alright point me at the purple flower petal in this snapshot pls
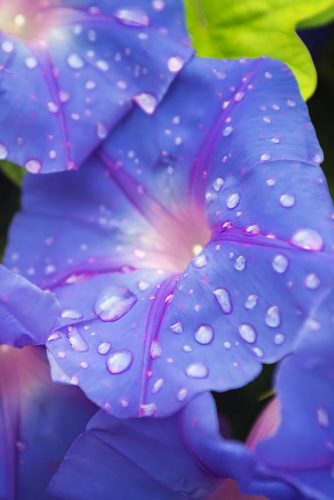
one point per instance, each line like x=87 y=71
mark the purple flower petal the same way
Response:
x=191 y=276
x=33 y=437
x=65 y=88
x=27 y=314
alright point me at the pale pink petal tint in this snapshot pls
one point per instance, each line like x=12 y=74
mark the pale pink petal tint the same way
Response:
x=29 y=20
x=266 y=425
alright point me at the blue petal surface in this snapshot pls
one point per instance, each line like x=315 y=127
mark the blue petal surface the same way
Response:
x=38 y=422
x=192 y=257
x=65 y=88
x=27 y=314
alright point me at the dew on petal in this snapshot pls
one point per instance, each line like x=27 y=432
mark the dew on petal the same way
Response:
x=287 y=200
x=197 y=370
x=177 y=327
x=155 y=350
x=70 y=314
x=233 y=200
x=200 y=261
x=131 y=16
x=279 y=338
x=247 y=332
x=175 y=64
x=240 y=263
x=3 y=151
x=76 y=340
x=74 y=61
x=147 y=102
x=224 y=299
x=33 y=166
x=113 y=303
x=251 y=301
x=104 y=348
x=148 y=410
x=227 y=131
x=280 y=263
x=157 y=385
x=322 y=417
x=265 y=157
x=272 y=317
x=182 y=394
x=119 y=361
x=312 y=281
x=204 y=334
x=307 y=239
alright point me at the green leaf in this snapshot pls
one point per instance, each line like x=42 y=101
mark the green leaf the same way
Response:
x=253 y=28
x=12 y=171
x=323 y=17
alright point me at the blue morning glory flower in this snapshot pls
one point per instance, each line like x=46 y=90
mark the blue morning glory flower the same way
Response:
x=289 y=454
x=190 y=248
x=70 y=70
x=38 y=422
x=27 y=314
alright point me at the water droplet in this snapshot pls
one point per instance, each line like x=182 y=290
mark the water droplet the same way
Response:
x=76 y=340
x=291 y=103
x=119 y=361
x=157 y=385
x=101 y=130
x=272 y=317
x=177 y=327
x=322 y=416
x=280 y=263
x=308 y=239
x=279 y=338
x=148 y=410
x=251 y=301
x=53 y=107
x=218 y=184
x=233 y=200
x=227 y=131
x=287 y=200
x=175 y=64
x=143 y=285
x=224 y=299
x=71 y=314
x=182 y=394
x=147 y=102
x=247 y=332
x=31 y=62
x=200 y=261
x=54 y=336
x=7 y=46
x=265 y=157
x=33 y=166
x=204 y=334
x=227 y=345
x=197 y=370
x=156 y=350
x=131 y=16
x=258 y=352
x=239 y=96
x=74 y=61
x=312 y=281
x=114 y=302
x=3 y=151
x=275 y=140
x=104 y=348
x=240 y=263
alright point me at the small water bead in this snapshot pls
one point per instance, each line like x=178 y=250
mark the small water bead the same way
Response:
x=279 y=338
x=175 y=64
x=204 y=334
x=104 y=348
x=53 y=107
x=76 y=340
x=322 y=417
x=227 y=131
x=182 y=394
x=251 y=301
x=155 y=350
x=147 y=102
x=177 y=327
x=239 y=96
x=114 y=302
x=218 y=184
x=102 y=65
x=33 y=166
x=240 y=263
x=7 y=46
x=307 y=239
x=157 y=385
x=3 y=151
x=275 y=140
x=101 y=130
x=187 y=348
x=258 y=352
x=291 y=103
x=31 y=62
x=224 y=299
x=143 y=285
x=247 y=332
x=148 y=410
x=233 y=200
x=119 y=361
x=54 y=336
x=74 y=61
x=265 y=157
x=197 y=370
x=312 y=281
x=317 y=158
x=70 y=314
x=287 y=200
x=227 y=345
x=200 y=261
x=280 y=263
x=272 y=317
x=131 y=16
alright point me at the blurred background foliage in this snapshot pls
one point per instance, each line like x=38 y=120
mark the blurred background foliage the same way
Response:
x=243 y=405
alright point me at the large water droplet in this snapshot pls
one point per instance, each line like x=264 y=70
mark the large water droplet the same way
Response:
x=76 y=340
x=147 y=102
x=200 y=261
x=251 y=301
x=104 y=348
x=175 y=64
x=287 y=200
x=114 y=302
x=308 y=239
x=131 y=16
x=233 y=200
x=204 y=334
x=240 y=263
x=280 y=263
x=224 y=299
x=197 y=370
x=272 y=317
x=74 y=61
x=119 y=361
x=33 y=166
x=155 y=350
x=247 y=332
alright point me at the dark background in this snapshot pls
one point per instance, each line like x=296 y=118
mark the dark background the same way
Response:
x=243 y=405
